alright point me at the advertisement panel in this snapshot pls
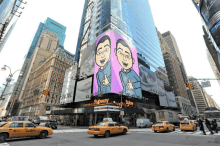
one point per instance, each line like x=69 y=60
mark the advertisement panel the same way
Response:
x=171 y=99
x=86 y=61
x=116 y=66
x=162 y=93
x=209 y=8
x=215 y=31
x=83 y=90
x=68 y=86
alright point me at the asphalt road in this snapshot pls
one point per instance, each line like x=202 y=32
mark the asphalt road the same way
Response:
x=133 y=138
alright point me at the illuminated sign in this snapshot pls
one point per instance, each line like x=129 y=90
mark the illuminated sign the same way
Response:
x=127 y=103
x=116 y=66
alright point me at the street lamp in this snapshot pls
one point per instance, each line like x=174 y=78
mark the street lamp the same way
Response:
x=8 y=80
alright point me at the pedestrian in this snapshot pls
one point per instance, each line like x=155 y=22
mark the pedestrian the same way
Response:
x=214 y=126
x=200 y=121
x=208 y=125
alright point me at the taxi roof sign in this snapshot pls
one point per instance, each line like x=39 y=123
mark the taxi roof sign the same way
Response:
x=107 y=119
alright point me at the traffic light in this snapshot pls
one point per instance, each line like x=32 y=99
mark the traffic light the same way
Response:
x=187 y=86
x=46 y=91
x=191 y=86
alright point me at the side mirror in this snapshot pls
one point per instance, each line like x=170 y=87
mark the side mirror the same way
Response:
x=35 y=126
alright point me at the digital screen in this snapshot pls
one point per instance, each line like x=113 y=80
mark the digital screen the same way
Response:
x=83 y=90
x=68 y=85
x=215 y=31
x=86 y=61
x=209 y=8
x=116 y=66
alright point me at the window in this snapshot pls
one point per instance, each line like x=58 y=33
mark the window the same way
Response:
x=110 y=124
x=100 y=124
x=29 y=125
x=16 y=125
x=116 y=124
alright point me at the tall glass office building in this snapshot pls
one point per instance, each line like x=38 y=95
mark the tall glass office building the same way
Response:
x=100 y=87
x=129 y=18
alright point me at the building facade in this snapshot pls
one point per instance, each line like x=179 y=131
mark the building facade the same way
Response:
x=213 y=66
x=209 y=11
x=47 y=74
x=53 y=27
x=131 y=21
x=6 y=96
x=198 y=95
x=8 y=9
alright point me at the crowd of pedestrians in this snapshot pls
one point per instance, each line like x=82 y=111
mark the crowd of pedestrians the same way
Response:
x=211 y=126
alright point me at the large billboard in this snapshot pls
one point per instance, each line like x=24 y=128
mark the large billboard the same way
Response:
x=68 y=85
x=86 y=61
x=116 y=66
x=215 y=31
x=209 y=8
x=83 y=90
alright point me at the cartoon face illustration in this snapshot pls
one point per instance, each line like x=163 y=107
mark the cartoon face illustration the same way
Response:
x=103 y=51
x=124 y=54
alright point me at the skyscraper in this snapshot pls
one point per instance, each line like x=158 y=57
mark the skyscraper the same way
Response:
x=209 y=11
x=104 y=76
x=128 y=20
x=50 y=25
x=8 y=9
x=198 y=95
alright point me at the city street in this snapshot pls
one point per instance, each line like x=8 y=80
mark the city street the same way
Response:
x=137 y=137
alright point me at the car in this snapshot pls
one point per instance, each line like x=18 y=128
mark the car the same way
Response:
x=16 y=129
x=187 y=125
x=107 y=128
x=143 y=123
x=52 y=123
x=36 y=121
x=163 y=126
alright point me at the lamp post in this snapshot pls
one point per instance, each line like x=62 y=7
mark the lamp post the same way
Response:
x=8 y=80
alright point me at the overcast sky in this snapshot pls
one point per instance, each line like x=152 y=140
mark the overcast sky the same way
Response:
x=179 y=17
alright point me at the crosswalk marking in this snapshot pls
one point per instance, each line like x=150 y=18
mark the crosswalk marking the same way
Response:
x=140 y=131
x=4 y=144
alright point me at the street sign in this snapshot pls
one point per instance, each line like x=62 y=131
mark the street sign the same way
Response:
x=122 y=113
x=206 y=84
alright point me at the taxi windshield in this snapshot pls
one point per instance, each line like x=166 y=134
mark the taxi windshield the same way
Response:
x=100 y=124
x=184 y=122
x=2 y=124
x=159 y=123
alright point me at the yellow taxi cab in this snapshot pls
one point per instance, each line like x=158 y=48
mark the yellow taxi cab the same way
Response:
x=187 y=125
x=15 y=129
x=163 y=126
x=106 y=128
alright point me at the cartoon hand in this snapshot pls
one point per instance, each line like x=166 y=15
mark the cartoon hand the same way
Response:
x=105 y=80
x=129 y=84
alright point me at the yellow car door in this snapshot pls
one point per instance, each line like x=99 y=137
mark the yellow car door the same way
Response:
x=118 y=128
x=30 y=129
x=112 y=127
x=16 y=129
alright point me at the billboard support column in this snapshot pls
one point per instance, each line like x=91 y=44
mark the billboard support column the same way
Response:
x=120 y=93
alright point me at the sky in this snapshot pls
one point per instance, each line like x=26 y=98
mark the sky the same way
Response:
x=179 y=17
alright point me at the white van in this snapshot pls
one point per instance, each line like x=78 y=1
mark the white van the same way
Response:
x=143 y=123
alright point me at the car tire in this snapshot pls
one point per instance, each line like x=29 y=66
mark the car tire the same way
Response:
x=124 y=131
x=167 y=130
x=3 y=137
x=146 y=126
x=173 y=128
x=96 y=136
x=155 y=131
x=56 y=127
x=53 y=127
x=43 y=134
x=107 y=134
